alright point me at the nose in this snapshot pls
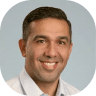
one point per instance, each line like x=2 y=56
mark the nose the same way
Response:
x=51 y=50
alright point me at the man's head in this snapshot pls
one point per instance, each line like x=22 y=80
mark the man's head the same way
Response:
x=46 y=43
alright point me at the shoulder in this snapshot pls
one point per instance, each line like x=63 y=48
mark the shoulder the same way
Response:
x=14 y=83
x=71 y=89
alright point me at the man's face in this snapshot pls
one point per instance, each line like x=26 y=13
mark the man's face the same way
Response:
x=47 y=49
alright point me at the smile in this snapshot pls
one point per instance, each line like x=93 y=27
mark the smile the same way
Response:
x=49 y=65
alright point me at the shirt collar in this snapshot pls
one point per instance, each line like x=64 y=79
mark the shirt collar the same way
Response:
x=29 y=86
x=63 y=90
x=60 y=89
x=31 y=89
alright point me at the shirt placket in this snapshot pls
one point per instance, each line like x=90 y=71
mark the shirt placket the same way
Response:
x=44 y=95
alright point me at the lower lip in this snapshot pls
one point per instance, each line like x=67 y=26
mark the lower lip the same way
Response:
x=50 y=67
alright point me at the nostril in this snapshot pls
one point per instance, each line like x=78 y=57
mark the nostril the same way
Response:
x=48 y=56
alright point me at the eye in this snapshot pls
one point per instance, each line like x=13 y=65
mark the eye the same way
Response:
x=41 y=41
x=62 y=42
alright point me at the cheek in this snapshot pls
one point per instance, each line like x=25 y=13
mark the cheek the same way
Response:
x=39 y=50
x=64 y=54
x=34 y=53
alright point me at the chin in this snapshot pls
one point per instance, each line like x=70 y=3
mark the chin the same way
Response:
x=49 y=79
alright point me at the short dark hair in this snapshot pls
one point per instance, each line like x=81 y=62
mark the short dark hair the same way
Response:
x=41 y=13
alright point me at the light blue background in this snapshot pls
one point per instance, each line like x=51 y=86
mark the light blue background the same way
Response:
x=81 y=65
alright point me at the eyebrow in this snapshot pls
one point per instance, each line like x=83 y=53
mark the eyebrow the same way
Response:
x=39 y=36
x=63 y=37
x=45 y=37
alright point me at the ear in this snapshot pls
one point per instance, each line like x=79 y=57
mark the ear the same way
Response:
x=22 y=46
x=70 y=49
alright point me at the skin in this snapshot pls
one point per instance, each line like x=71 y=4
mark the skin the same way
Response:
x=49 y=41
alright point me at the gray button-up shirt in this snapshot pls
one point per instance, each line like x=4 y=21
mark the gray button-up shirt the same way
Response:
x=24 y=84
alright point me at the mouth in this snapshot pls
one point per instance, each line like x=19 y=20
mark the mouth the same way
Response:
x=49 y=65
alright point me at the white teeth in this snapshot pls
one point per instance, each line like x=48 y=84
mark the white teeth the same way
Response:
x=49 y=63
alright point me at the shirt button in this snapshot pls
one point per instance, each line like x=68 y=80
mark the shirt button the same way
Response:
x=44 y=95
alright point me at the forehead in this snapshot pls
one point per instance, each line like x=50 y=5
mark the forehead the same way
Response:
x=50 y=27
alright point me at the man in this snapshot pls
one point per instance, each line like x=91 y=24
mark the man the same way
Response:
x=46 y=46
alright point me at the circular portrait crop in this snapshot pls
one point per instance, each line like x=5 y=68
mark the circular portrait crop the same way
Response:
x=48 y=49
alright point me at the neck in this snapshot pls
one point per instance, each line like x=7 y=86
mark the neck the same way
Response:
x=48 y=88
